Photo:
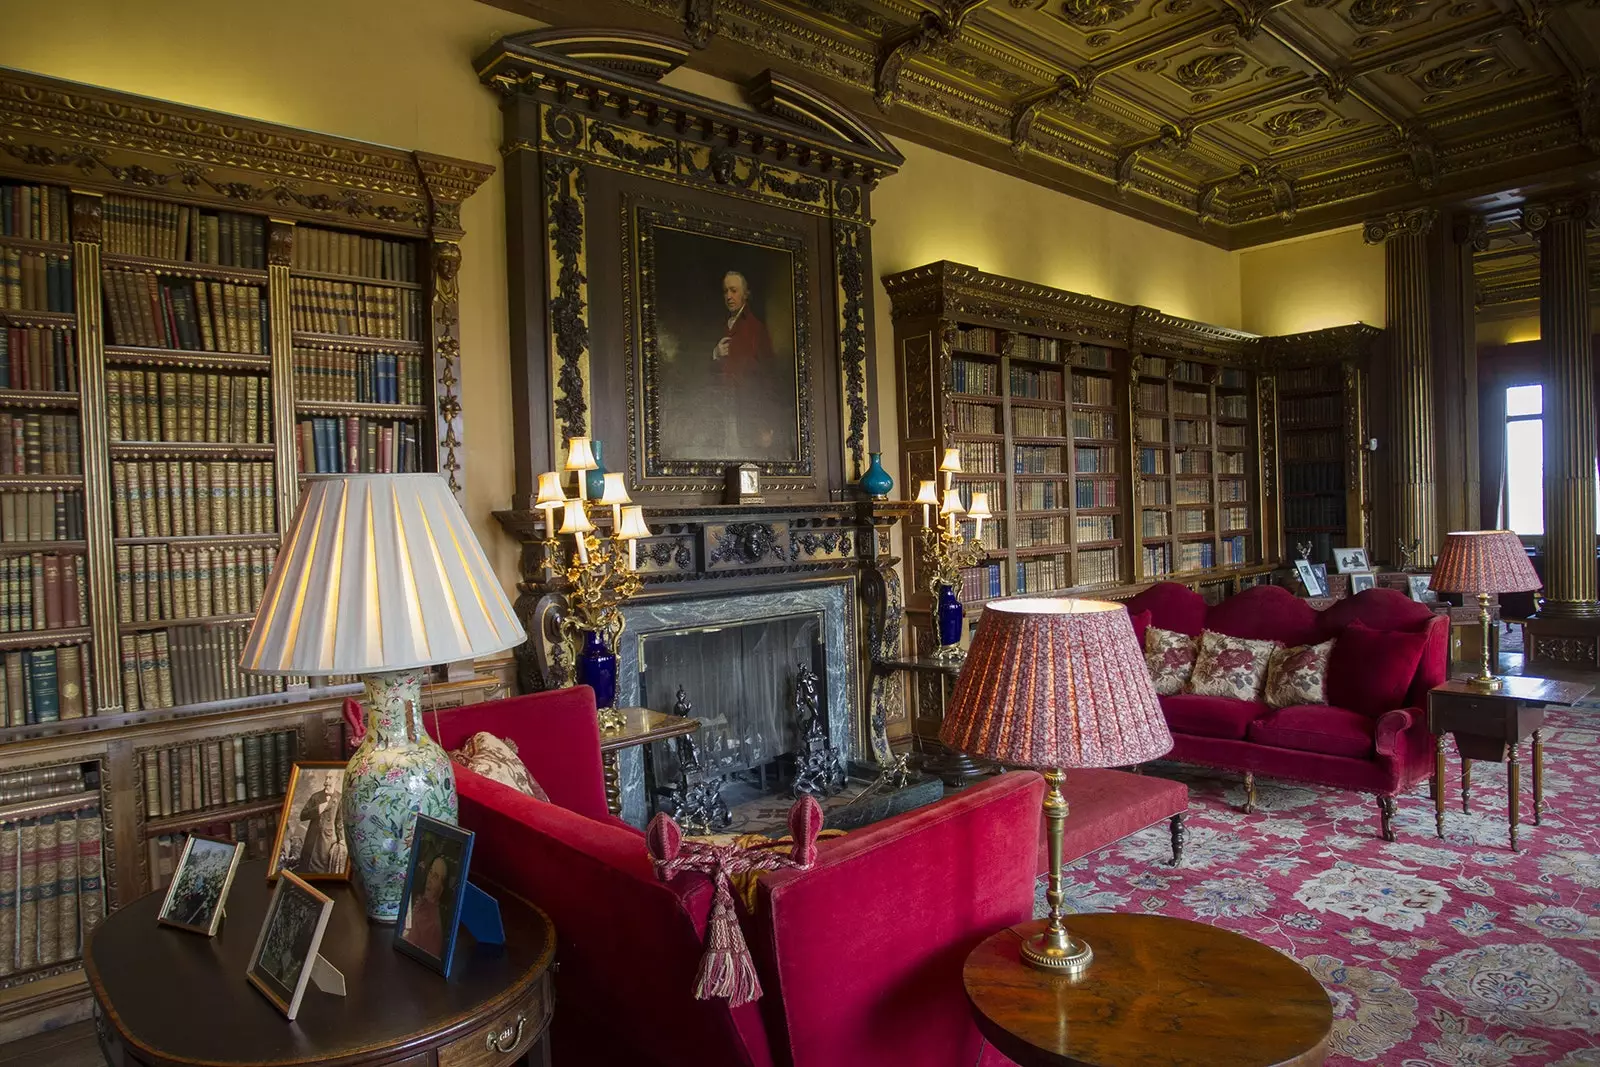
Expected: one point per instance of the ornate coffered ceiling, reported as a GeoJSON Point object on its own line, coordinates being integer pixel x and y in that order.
{"type": "Point", "coordinates": [1238, 121]}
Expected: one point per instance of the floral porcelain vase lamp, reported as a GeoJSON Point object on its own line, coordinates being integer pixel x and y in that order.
{"type": "Point", "coordinates": [380, 575]}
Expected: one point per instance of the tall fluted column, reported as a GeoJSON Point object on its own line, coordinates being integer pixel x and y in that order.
{"type": "Point", "coordinates": [1569, 418]}
{"type": "Point", "coordinates": [1412, 503]}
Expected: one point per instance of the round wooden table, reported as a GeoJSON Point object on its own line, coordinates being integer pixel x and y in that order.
{"type": "Point", "coordinates": [1160, 991]}
{"type": "Point", "coordinates": [167, 997]}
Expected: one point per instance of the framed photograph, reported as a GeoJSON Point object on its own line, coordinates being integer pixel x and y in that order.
{"type": "Point", "coordinates": [200, 885]}
{"type": "Point", "coordinates": [1315, 584]}
{"type": "Point", "coordinates": [286, 947]}
{"type": "Point", "coordinates": [1321, 571]}
{"type": "Point", "coordinates": [1418, 586]}
{"type": "Point", "coordinates": [1361, 581]}
{"type": "Point", "coordinates": [724, 325]}
{"type": "Point", "coordinates": [436, 882]}
{"type": "Point", "coordinates": [1350, 560]}
{"type": "Point", "coordinates": [310, 839]}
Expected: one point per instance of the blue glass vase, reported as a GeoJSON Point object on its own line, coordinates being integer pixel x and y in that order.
{"type": "Point", "coordinates": [597, 669]}
{"type": "Point", "coordinates": [950, 616]}
{"type": "Point", "coordinates": [595, 480]}
{"type": "Point", "coordinates": [877, 481]}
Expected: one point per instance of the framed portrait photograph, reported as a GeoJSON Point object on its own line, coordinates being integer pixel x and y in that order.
{"type": "Point", "coordinates": [723, 339]}
{"type": "Point", "coordinates": [1350, 560]}
{"type": "Point", "coordinates": [280, 965]}
{"type": "Point", "coordinates": [436, 882]}
{"type": "Point", "coordinates": [1315, 585]}
{"type": "Point", "coordinates": [1418, 585]}
{"type": "Point", "coordinates": [200, 885]}
{"type": "Point", "coordinates": [310, 839]}
{"type": "Point", "coordinates": [1361, 581]}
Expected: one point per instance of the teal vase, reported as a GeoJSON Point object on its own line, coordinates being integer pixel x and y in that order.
{"type": "Point", "coordinates": [877, 481]}
{"type": "Point", "coordinates": [397, 772]}
{"type": "Point", "coordinates": [595, 480]}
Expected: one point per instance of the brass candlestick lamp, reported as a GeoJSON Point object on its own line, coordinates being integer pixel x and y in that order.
{"type": "Point", "coordinates": [1484, 562]}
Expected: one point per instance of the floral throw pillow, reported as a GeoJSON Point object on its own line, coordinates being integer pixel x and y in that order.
{"type": "Point", "coordinates": [1170, 656]}
{"type": "Point", "coordinates": [1299, 675]}
{"type": "Point", "coordinates": [496, 759]}
{"type": "Point", "coordinates": [1231, 666]}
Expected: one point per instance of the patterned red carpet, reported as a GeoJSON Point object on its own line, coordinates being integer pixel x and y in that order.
{"type": "Point", "coordinates": [1453, 951]}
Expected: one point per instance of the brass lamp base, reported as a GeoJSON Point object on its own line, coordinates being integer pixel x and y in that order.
{"type": "Point", "coordinates": [1491, 683]}
{"type": "Point", "coordinates": [1488, 681]}
{"type": "Point", "coordinates": [1057, 950]}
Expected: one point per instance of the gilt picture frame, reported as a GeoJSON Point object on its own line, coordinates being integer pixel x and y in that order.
{"type": "Point", "coordinates": [286, 948]}
{"type": "Point", "coordinates": [310, 838]}
{"type": "Point", "coordinates": [197, 896]}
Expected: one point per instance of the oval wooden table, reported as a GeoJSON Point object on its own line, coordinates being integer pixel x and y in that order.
{"type": "Point", "coordinates": [1160, 992]}
{"type": "Point", "coordinates": [167, 997]}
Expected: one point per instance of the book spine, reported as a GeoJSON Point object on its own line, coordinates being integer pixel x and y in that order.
{"type": "Point", "coordinates": [91, 865]}
{"type": "Point", "coordinates": [67, 944]}
{"type": "Point", "coordinates": [49, 870]}
{"type": "Point", "coordinates": [9, 878]}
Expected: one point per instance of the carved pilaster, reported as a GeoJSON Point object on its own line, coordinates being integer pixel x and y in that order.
{"type": "Point", "coordinates": [1569, 418]}
{"type": "Point", "coordinates": [1410, 446]}
{"type": "Point", "coordinates": [447, 361]}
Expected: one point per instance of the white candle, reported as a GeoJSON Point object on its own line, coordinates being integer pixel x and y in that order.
{"type": "Point", "coordinates": [978, 531]}
{"type": "Point", "coordinates": [583, 548]}
{"type": "Point", "coordinates": [952, 524]}
{"type": "Point", "coordinates": [924, 514]}
{"type": "Point", "coordinates": [633, 554]}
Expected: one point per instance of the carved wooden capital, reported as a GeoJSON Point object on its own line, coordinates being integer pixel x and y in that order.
{"type": "Point", "coordinates": [1583, 209]}
{"type": "Point", "coordinates": [1470, 230]}
{"type": "Point", "coordinates": [1413, 223]}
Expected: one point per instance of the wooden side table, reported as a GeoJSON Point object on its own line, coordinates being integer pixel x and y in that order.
{"type": "Point", "coordinates": [1491, 726]}
{"type": "Point", "coordinates": [1159, 990]}
{"type": "Point", "coordinates": [165, 996]}
{"type": "Point", "coordinates": [643, 727]}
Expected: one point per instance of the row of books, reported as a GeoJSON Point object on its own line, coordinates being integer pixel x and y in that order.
{"type": "Point", "coordinates": [1192, 463]}
{"type": "Point", "coordinates": [210, 774]}
{"type": "Point", "coordinates": [993, 536]}
{"type": "Point", "coordinates": [43, 591]}
{"type": "Point", "coordinates": [994, 489]}
{"type": "Point", "coordinates": [1098, 566]}
{"type": "Point", "coordinates": [325, 375]}
{"type": "Point", "coordinates": [1230, 462]}
{"type": "Point", "coordinates": [1155, 493]}
{"type": "Point", "coordinates": [1185, 432]}
{"type": "Point", "coordinates": [1096, 357]}
{"type": "Point", "coordinates": [1312, 444]}
{"type": "Point", "coordinates": [1233, 406]}
{"type": "Point", "coordinates": [41, 515]}
{"type": "Point", "coordinates": [1094, 460]}
{"type": "Point", "coordinates": [1233, 553]}
{"type": "Point", "coordinates": [1037, 422]}
{"type": "Point", "coordinates": [149, 311]}
{"type": "Point", "coordinates": [337, 252]}
{"type": "Point", "coordinates": [1192, 492]}
{"type": "Point", "coordinates": [255, 834]}
{"type": "Point", "coordinates": [188, 665]}
{"type": "Point", "coordinates": [981, 582]}
{"type": "Point", "coordinates": [1304, 410]}
{"type": "Point", "coordinates": [1091, 389]}
{"type": "Point", "coordinates": [1038, 459]}
{"type": "Point", "coordinates": [42, 783]}
{"type": "Point", "coordinates": [1045, 349]}
{"type": "Point", "coordinates": [1153, 461]}
{"type": "Point", "coordinates": [1155, 560]}
{"type": "Point", "coordinates": [974, 377]}
{"type": "Point", "coordinates": [1154, 524]}
{"type": "Point", "coordinates": [46, 685]}
{"type": "Point", "coordinates": [1196, 556]}
{"type": "Point", "coordinates": [1193, 521]}
{"type": "Point", "coordinates": [981, 457]}
{"type": "Point", "coordinates": [1234, 519]}
{"type": "Point", "coordinates": [1183, 370]}
{"type": "Point", "coordinates": [155, 229]}
{"type": "Point", "coordinates": [1189, 402]}
{"type": "Point", "coordinates": [35, 281]}
{"type": "Point", "coordinates": [37, 212]}
{"type": "Point", "coordinates": [1231, 489]}
{"type": "Point", "coordinates": [1029, 384]}
{"type": "Point", "coordinates": [975, 418]}
{"type": "Point", "coordinates": [352, 310]}
{"type": "Point", "coordinates": [1095, 494]}
{"type": "Point", "coordinates": [1152, 428]}
{"type": "Point", "coordinates": [39, 359]}
{"type": "Point", "coordinates": [978, 339]}
{"type": "Point", "coordinates": [52, 891]}
{"type": "Point", "coordinates": [172, 498]}
{"type": "Point", "coordinates": [1041, 574]}
{"type": "Point", "coordinates": [1094, 528]}
{"type": "Point", "coordinates": [1029, 533]}
{"type": "Point", "coordinates": [1152, 396]}
{"type": "Point", "coordinates": [359, 445]}
{"type": "Point", "coordinates": [1100, 425]}
{"type": "Point", "coordinates": [1309, 379]}
{"type": "Point", "coordinates": [1038, 496]}
{"type": "Point", "coordinates": [1232, 378]}
{"type": "Point", "coordinates": [1313, 478]}
{"type": "Point", "coordinates": [35, 443]}
{"type": "Point", "coordinates": [177, 582]}
{"type": "Point", "coordinates": [178, 406]}
{"type": "Point", "coordinates": [1300, 511]}
{"type": "Point", "coordinates": [1230, 436]}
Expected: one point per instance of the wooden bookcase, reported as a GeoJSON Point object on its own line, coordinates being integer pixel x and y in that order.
{"type": "Point", "coordinates": [196, 312]}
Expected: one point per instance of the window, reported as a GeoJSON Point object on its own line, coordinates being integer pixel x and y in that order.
{"type": "Point", "coordinates": [1523, 503]}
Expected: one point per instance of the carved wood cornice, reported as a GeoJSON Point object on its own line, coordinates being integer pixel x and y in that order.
{"type": "Point", "coordinates": [1354, 343]}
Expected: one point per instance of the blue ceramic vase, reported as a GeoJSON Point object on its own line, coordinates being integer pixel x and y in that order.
{"type": "Point", "coordinates": [597, 669]}
{"type": "Point", "coordinates": [397, 772]}
{"type": "Point", "coordinates": [595, 480]}
{"type": "Point", "coordinates": [877, 481]}
{"type": "Point", "coordinates": [950, 617]}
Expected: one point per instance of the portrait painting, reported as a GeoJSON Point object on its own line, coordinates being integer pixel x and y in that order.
{"type": "Point", "coordinates": [1350, 560]}
{"type": "Point", "coordinates": [724, 346]}
{"type": "Point", "coordinates": [200, 885]}
{"type": "Point", "coordinates": [286, 947]}
{"type": "Point", "coordinates": [310, 839]}
{"type": "Point", "coordinates": [436, 882]}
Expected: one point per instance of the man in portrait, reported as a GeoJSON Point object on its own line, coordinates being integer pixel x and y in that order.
{"type": "Point", "coordinates": [323, 850]}
{"type": "Point", "coordinates": [742, 361]}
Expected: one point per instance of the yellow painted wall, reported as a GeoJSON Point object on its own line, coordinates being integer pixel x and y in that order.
{"type": "Point", "coordinates": [1505, 331]}
{"type": "Point", "coordinates": [1311, 283]}
{"type": "Point", "coordinates": [398, 72]}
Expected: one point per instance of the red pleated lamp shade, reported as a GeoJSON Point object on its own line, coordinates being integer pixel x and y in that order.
{"type": "Point", "coordinates": [1483, 561]}
{"type": "Point", "coordinates": [1053, 682]}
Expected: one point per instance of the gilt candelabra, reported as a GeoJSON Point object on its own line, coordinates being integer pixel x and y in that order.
{"type": "Point", "coordinates": [947, 551]}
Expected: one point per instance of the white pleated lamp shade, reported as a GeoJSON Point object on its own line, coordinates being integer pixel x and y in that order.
{"type": "Point", "coordinates": [378, 572]}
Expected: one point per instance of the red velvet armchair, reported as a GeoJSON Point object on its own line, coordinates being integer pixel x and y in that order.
{"type": "Point", "coordinates": [859, 956]}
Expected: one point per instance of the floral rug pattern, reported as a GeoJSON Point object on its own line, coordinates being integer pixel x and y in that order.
{"type": "Point", "coordinates": [1454, 951]}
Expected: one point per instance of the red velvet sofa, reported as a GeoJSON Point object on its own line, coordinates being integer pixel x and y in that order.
{"type": "Point", "coordinates": [1373, 734]}
{"type": "Point", "coordinates": [859, 956]}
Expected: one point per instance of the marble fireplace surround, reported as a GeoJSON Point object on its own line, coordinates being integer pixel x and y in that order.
{"type": "Point", "coordinates": [832, 601]}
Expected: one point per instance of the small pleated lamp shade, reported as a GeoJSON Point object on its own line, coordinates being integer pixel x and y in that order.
{"type": "Point", "coordinates": [378, 572]}
{"type": "Point", "coordinates": [1483, 561]}
{"type": "Point", "coordinates": [1056, 682]}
